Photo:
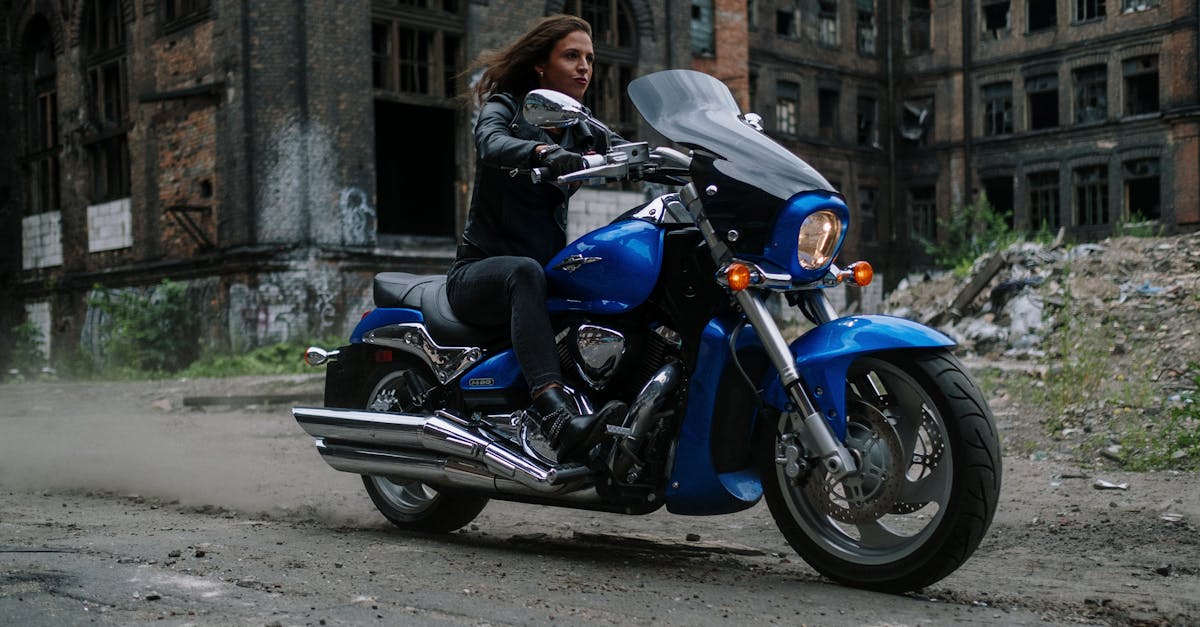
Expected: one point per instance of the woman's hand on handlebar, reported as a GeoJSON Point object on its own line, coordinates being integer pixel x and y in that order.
{"type": "Point", "coordinates": [559, 160]}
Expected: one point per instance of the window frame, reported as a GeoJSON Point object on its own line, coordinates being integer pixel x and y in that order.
{"type": "Point", "coordinates": [997, 122]}
{"type": "Point", "coordinates": [1139, 74]}
{"type": "Point", "coordinates": [1085, 79]}
{"type": "Point", "coordinates": [106, 68]}
{"type": "Point", "coordinates": [1090, 198]}
{"type": "Point", "coordinates": [1044, 199]}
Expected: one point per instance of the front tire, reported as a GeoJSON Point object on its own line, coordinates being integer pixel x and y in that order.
{"type": "Point", "coordinates": [929, 480]}
{"type": "Point", "coordinates": [409, 504]}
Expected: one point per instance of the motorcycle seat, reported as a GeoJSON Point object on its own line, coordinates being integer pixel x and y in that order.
{"type": "Point", "coordinates": [427, 293]}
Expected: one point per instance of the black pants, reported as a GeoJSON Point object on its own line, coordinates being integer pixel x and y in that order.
{"type": "Point", "coordinates": [498, 290]}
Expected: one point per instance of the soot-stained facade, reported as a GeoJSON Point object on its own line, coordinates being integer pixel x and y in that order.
{"type": "Point", "coordinates": [275, 155]}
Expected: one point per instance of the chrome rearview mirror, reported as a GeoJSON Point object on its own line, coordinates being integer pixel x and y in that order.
{"type": "Point", "coordinates": [547, 108]}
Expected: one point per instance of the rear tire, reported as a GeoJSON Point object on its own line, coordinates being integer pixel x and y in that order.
{"type": "Point", "coordinates": [409, 504]}
{"type": "Point", "coordinates": [928, 446]}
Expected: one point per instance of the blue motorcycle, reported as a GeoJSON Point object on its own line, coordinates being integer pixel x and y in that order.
{"type": "Point", "coordinates": [875, 451]}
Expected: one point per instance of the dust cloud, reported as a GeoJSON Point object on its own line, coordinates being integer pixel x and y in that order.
{"type": "Point", "coordinates": [136, 439]}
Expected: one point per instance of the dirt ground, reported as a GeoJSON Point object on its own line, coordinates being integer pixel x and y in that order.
{"type": "Point", "coordinates": [119, 504]}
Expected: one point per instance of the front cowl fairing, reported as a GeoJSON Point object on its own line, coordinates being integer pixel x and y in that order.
{"type": "Point", "coordinates": [753, 175]}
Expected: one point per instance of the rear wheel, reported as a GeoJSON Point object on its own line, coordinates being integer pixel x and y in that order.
{"type": "Point", "coordinates": [928, 480]}
{"type": "Point", "coordinates": [411, 504]}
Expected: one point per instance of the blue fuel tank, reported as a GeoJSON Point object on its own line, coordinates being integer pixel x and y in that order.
{"type": "Point", "coordinates": [610, 270]}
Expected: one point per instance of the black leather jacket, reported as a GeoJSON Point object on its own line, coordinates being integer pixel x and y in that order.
{"type": "Point", "coordinates": [510, 215]}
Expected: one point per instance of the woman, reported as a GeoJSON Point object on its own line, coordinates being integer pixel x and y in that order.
{"type": "Point", "coordinates": [515, 226]}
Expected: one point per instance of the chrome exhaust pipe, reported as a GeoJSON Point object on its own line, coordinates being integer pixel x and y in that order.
{"type": "Point", "coordinates": [376, 443]}
{"type": "Point", "coordinates": [625, 456]}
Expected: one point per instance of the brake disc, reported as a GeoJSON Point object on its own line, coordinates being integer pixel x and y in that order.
{"type": "Point", "coordinates": [871, 492]}
{"type": "Point", "coordinates": [927, 454]}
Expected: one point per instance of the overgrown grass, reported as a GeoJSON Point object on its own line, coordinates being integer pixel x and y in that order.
{"type": "Point", "coordinates": [280, 358]}
{"type": "Point", "coordinates": [1170, 443]}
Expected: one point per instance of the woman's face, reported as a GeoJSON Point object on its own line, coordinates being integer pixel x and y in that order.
{"type": "Point", "coordinates": [569, 68]}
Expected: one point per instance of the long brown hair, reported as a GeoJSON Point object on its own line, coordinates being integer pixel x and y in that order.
{"type": "Point", "coordinates": [510, 69]}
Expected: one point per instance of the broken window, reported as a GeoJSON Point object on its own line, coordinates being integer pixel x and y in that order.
{"type": "Point", "coordinates": [1041, 14]}
{"type": "Point", "coordinates": [868, 198]}
{"type": "Point", "coordinates": [752, 14]}
{"type": "Point", "coordinates": [1042, 92]}
{"type": "Point", "coordinates": [999, 190]}
{"type": "Point", "coordinates": [787, 23]}
{"type": "Point", "coordinates": [787, 103]}
{"type": "Point", "coordinates": [995, 18]}
{"type": "Point", "coordinates": [1131, 6]}
{"type": "Point", "coordinates": [1089, 10]}
{"type": "Point", "coordinates": [42, 147]}
{"type": "Point", "coordinates": [866, 27]}
{"type": "Point", "coordinates": [1142, 190]}
{"type": "Point", "coordinates": [1043, 201]}
{"type": "Point", "coordinates": [108, 105]}
{"type": "Point", "coordinates": [1091, 195]}
{"type": "Point", "coordinates": [1141, 85]}
{"type": "Point", "coordinates": [919, 26]}
{"type": "Point", "coordinates": [702, 28]}
{"type": "Point", "coordinates": [827, 113]}
{"type": "Point", "coordinates": [997, 109]}
{"type": "Point", "coordinates": [827, 23]}
{"type": "Point", "coordinates": [410, 59]}
{"type": "Point", "coordinates": [916, 122]}
{"type": "Point", "coordinates": [868, 125]}
{"type": "Point", "coordinates": [184, 10]}
{"type": "Point", "coordinates": [922, 212]}
{"type": "Point", "coordinates": [1091, 93]}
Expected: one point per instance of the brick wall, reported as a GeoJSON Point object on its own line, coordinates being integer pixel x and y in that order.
{"type": "Point", "coordinates": [41, 240]}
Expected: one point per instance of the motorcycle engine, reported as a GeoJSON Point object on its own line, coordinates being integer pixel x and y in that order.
{"type": "Point", "coordinates": [597, 353]}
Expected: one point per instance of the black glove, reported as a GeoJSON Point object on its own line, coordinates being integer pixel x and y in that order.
{"type": "Point", "coordinates": [560, 160]}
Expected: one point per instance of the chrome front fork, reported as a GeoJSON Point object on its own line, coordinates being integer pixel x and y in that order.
{"type": "Point", "coordinates": [815, 434]}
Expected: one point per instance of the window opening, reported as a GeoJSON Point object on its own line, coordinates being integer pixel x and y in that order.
{"type": "Point", "coordinates": [827, 24]}
{"type": "Point", "coordinates": [866, 27]}
{"type": "Point", "coordinates": [614, 38]}
{"type": "Point", "coordinates": [919, 31]}
{"type": "Point", "coordinates": [999, 190]}
{"type": "Point", "coordinates": [1086, 10]}
{"type": "Point", "coordinates": [1043, 201]}
{"type": "Point", "coordinates": [995, 18]}
{"type": "Point", "coordinates": [868, 116]}
{"type": "Point", "coordinates": [868, 198]}
{"type": "Point", "coordinates": [787, 103]}
{"type": "Point", "coordinates": [702, 28]}
{"type": "Point", "coordinates": [922, 211]}
{"type": "Point", "coordinates": [917, 120]}
{"type": "Point", "coordinates": [42, 146]}
{"type": "Point", "coordinates": [1042, 14]}
{"type": "Point", "coordinates": [1133, 6]}
{"type": "Point", "coordinates": [1042, 92]}
{"type": "Point", "coordinates": [997, 109]}
{"type": "Point", "coordinates": [1143, 191]}
{"type": "Point", "coordinates": [106, 68]}
{"type": "Point", "coordinates": [179, 10]}
{"type": "Point", "coordinates": [787, 23]}
{"type": "Point", "coordinates": [827, 114]}
{"type": "Point", "coordinates": [1141, 85]}
{"type": "Point", "coordinates": [1091, 195]}
{"type": "Point", "coordinates": [1091, 95]}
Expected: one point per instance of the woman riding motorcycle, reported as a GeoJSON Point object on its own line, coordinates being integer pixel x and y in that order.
{"type": "Point", "coordinates": [515, 226]}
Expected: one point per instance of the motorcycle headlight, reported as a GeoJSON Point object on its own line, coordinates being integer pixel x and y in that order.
{"type": "Point", "coordinates": [818, 239]}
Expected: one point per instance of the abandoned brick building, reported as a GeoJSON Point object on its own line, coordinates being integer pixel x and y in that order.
{"type": "Point", "coordinates": [274, 155]}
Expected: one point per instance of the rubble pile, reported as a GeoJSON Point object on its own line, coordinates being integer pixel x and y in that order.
{"type": "Point", "coordinates": [1140, 296]}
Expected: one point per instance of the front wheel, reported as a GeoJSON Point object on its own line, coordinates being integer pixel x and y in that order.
{"type": "Point", "coordinates": [928, 479]}
{"type": "Point", "coordinates": [411, 504]}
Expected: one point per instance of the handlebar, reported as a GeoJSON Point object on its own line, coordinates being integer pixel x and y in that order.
{"type": "Point", "coordinates": [633, 160]}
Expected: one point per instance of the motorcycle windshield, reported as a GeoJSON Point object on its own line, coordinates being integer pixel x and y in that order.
{"type": "Point", "coordinates": [698, 111]}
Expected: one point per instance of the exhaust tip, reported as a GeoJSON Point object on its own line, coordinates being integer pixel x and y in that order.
{"type": "Point", "coordinates": [317, 356]}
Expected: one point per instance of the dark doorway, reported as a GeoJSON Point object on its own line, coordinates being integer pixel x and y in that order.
{"type": "Point", "coordinates": [415, 174]}
{"type": "Point", "coordinates": [999, 192]}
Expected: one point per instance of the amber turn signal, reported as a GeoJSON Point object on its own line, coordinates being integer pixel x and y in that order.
{"type": "Point", "coordinates": [738, 276]}
{"type": "Point", "coordinates": [862, 272]}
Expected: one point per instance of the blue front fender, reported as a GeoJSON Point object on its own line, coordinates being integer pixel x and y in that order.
{"type": "Point", "coordinates": [823, 356]}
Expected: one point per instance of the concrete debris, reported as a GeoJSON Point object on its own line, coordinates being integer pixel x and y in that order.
{"type": "Point", "coordinates": [1101, 484]}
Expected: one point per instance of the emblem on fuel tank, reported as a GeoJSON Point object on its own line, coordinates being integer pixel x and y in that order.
{"type": "Point", "coordinates": [575, 262]}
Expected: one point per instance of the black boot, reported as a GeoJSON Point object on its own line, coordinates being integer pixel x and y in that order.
{"type": "Point", "coordinates": [570, 433]}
